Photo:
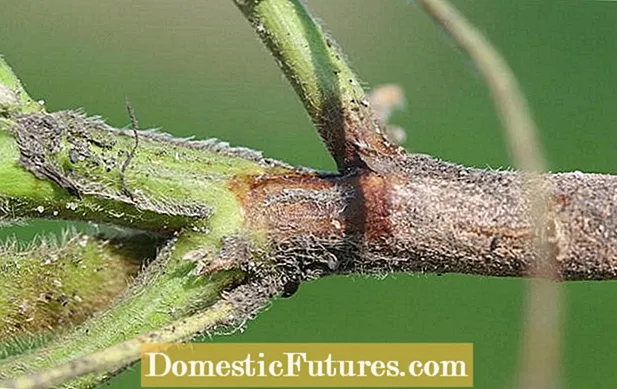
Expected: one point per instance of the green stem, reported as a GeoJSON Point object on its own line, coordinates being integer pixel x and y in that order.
{"type": "Point", "coordinates": [67, 166]}
{"type": "Point", "coordinates": [177, 184]}
{"type": "Point", "coordinates": [164, 293]}
{"type": "Point", "coordinates": [13, 98]}
{"type": "Point", "coordinates": [58, 285]}
{"type": "Point", "coordinates": [308, 57]}
{"type": "Point", "coordinates": [124, 353]}
{"type": "Point", "coordinates": [329, 90]}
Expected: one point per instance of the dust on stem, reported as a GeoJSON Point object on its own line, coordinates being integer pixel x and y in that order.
{"type": "Point", "coordinates": [541, 341]}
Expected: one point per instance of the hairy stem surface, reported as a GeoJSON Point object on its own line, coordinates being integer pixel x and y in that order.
{"type": "Point", "coordinates": [542, 337]}
{"type": "Point", "coordinates": [56, 285]}
{"type": "Point", "coordinates": [124, 353]}
{"type": "Point", "coordinates": [328, 88]}
{"type": "Point", "coordinates": [165, 292]}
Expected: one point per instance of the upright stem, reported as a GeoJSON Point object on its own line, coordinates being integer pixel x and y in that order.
{"type": "Point", "coordinates": [330, 91]}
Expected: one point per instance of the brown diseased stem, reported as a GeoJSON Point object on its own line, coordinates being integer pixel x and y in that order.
{"type": "Point", "coordinates": [424, 215]}
{"type": "Point", "coordinates": [544, 309]}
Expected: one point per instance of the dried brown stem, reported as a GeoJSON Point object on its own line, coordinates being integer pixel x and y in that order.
{"type": "Point", "coordinates": [541, 342]}
{"type": "Point", "coordinates": [424, 215]}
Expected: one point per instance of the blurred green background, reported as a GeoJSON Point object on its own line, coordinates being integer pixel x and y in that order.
{"type": "Point", "coordinates": [196, 68]}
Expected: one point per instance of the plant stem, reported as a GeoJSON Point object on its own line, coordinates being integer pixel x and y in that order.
{"type": "Point", "coordinates": [59, 285]}
{"type": "Point", "coordinates": [165, 292]}
{"type": "Point", "coordinates": [123, 353]}
{"type": "Point", "coordinates": [13, 98]}
{"type": "Point", "coordinates": [179, 184]}
{"type": "Point", "coordinates": [542, 335]}
{"type": "Point", "coordinates": [329, 90]}
{"type": "Point", "coordinates": [67, 166]}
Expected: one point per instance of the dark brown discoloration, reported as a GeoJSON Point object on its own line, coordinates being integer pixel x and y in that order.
{"type": "Point", "coordinates": [321, 206]}
{"type": "Point", "coordinates": [420, 214]}
{"type": "Point", "coordinates": [372, 219]}
{"type": "Point", "coordinates": [291, 204]}
{"type": "Point", "coordinates": [363, 137]}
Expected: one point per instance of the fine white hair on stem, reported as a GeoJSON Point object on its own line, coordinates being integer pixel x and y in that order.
{"type": "Point", "coordinates": [124, 353]}
{"type": "Point", "coordinates": [542, 335]}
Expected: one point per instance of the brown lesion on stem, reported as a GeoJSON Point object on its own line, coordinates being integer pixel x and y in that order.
{"type": "Point", "coordinates": [329, 90]}
{"type": "Point", "coordinates": [353, 136]}
{"type": "Point", "coordinates": [319, 205]}
{"type": "Point", "coordinates": [425, 215]}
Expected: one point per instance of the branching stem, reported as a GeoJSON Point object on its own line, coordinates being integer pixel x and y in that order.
{"type": "Point", "coordinates": [384, 212]}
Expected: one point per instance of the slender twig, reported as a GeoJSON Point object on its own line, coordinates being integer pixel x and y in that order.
{"type": "Point", "coordinates": [131, 154]}
{"type": "Point", "coordinates": [509, 101]}
{"type": "Point", "coordinates": [124, 353]}
{"type": "Point", "coordinates": [541, 341]}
